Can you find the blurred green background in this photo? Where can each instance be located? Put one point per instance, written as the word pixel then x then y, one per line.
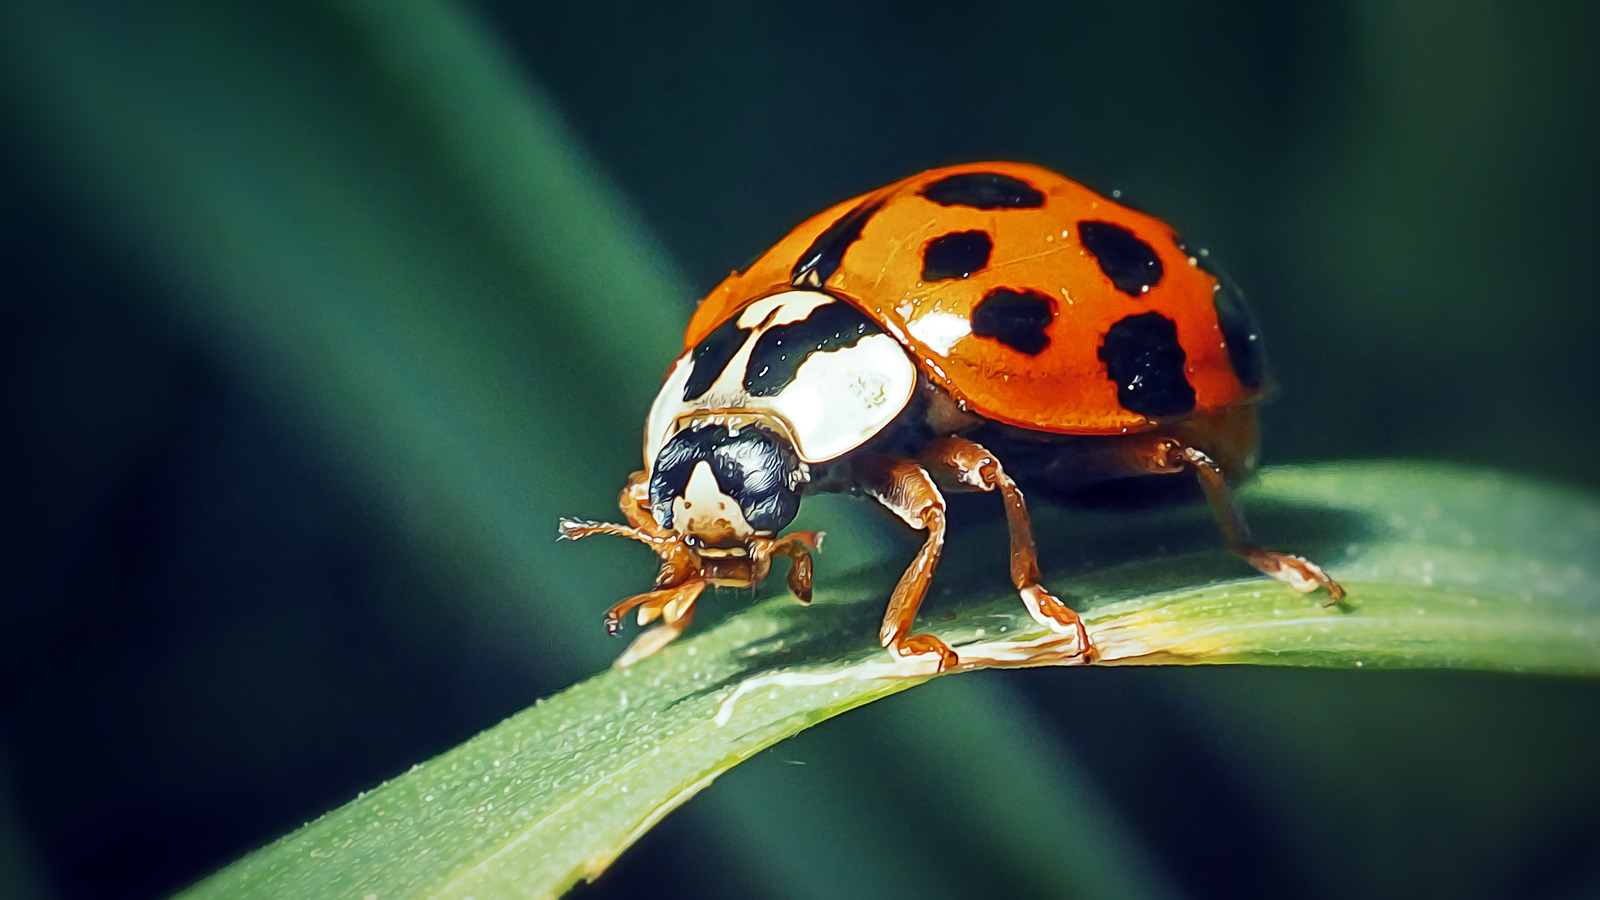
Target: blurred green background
pixel 317 315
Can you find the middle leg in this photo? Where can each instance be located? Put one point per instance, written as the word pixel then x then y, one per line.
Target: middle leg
pixel 971 464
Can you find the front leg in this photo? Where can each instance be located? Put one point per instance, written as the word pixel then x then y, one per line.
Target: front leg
pixel 673 605
pixel 679 582
pixel 908 492
pixel 797 546
pixel 968 463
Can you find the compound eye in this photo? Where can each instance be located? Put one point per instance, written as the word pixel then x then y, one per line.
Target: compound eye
pixel 757 468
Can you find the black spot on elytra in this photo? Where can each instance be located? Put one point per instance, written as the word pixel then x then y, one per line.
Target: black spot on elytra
pixel 823 257
pixel 781 349
pixel 752 467
pixel 1143 356
pixel 1239 331
pixel 711 356
pixel 1014 318
pixel 1129 262
pixel 984 190
pixel 956 255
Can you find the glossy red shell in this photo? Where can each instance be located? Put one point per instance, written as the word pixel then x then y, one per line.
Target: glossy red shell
pixel 1065 388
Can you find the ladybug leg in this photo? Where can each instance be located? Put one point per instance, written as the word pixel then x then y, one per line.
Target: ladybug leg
pixel 797 546
pixel 972 465
pixel 673 605
pixel 1298 572
pixel 909 492
pixel 678 563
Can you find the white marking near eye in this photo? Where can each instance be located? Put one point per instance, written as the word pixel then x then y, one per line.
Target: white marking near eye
pixel 940 330
pixel 664 411
pixel 705 511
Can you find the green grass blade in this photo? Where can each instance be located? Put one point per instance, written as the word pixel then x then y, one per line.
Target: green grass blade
pixel 1451 567
pixel 369 214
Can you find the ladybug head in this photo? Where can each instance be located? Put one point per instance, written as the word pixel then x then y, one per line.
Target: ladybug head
pixel 719 486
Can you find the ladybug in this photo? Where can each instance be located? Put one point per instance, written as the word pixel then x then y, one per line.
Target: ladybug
pixel 967 328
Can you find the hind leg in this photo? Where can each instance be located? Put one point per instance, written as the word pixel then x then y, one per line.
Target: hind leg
pixel 1170 455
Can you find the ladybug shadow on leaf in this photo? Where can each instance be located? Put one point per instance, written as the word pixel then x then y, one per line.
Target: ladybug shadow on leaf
pixel 1093 551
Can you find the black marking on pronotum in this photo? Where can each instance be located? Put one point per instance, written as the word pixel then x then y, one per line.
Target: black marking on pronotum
pixel 1239 331
pixel 1143 356
pixel 752 466
pixel 1015 318
pixel 956 255
pixel 823 257
pixel 781 349
pixel 1129 262
pixel 984 190
pixel 711 356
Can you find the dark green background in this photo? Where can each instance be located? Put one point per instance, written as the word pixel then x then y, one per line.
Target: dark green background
pixel 232 600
